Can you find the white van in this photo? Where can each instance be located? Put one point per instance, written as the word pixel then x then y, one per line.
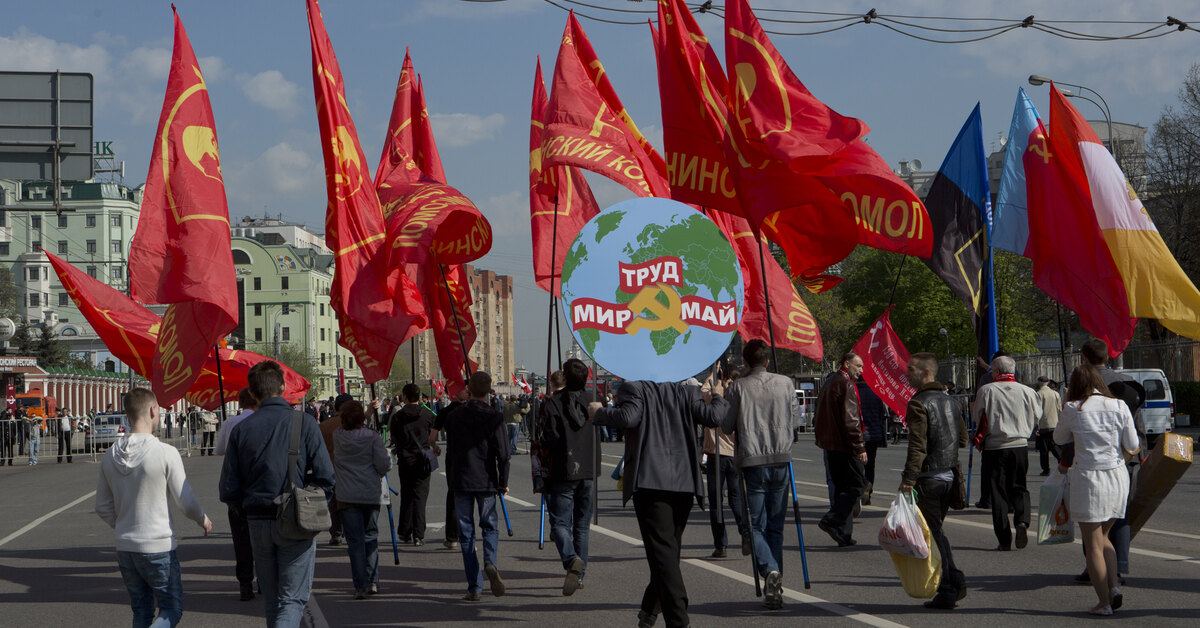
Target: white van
pixel 1158 413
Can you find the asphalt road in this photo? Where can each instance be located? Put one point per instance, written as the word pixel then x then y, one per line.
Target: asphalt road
pixel 58 565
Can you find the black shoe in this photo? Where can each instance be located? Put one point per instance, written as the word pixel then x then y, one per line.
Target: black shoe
pixel 746 547
pixel 335 540
pixel 471 596
pixel 403 540
pixel 718 553
pixel 1044 473
pixel 493 576
pixel 961 593
pixel 571 581
pixel 418 542
pixel 941 602
pixel 1116 598
pixel 836 535
pixel 1083 578
pixel 373 589
pixel 247 593
pixel 857 508
pixel 450 545
pixel 984 505
pixel 646 620
pixel 1002 548
pixel 1022 536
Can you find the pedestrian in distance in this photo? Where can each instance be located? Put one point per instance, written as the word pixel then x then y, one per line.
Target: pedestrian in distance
pixel 935 433
pixel 838 430
pixel 721 474
pixel 513 416
pixel 33 435
pixel 360 462
pixel 763 414
pixel 239 528
pixel 1051 405
pixel 662 476
pixel 1102 429
pixel 571 439
pixel 409 429
pixel 875 420
pixel 254 473
pixel 208 432
pixel 1006 413
pixel 440 422
pixel 477 465
pixel 328 427
pixel 140 478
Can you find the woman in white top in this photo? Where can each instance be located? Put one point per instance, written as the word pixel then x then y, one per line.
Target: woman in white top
pixel 1101 428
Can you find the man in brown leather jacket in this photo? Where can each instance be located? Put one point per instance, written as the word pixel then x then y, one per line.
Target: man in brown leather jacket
pixel 839 432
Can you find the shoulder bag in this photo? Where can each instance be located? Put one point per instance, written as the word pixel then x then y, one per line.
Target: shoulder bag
pixel 429 460
pixel 303 512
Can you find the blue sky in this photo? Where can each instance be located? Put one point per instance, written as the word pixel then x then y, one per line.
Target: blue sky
pixel 477 61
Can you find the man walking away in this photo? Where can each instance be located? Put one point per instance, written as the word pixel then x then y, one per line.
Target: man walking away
pixel 662 475
pixel 935 433
pixel 839 432
pixel 254 474
pixel 139 477
pixel 763 414
pixel 439 425
pixel 875 420
pixel 512 422
pixel 720 448
pixel 1051 408
pixel 571 439
pixel 476 469
pixel 65 430
pixel 1007 412
pixel 239 528
pixel 409 428
pixel 328 427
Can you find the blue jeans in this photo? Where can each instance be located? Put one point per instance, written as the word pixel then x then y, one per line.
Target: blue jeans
pixel 464 506
pixel 766 488
pixel 285 572
pixel 362 543
pixel 569 505
pixel 151 579
pixel 35 446
pixel 514 430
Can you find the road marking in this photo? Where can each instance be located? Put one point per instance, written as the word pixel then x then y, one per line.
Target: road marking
pixel 801 459
pixel 1178 534
pixel 826 606
pixel 519 502
pixel 612 456
pixel 37 522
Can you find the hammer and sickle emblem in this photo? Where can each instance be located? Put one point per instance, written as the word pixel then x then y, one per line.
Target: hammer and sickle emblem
pixel 665 315
pixel 347 178
pixel 1041 149
pixel 200 142
pixel 747 80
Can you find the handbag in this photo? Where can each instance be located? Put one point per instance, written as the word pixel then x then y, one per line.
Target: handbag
pixel 302 512
pixel 958 490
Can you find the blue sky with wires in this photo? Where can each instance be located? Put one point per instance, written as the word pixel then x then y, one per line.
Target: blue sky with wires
pixel 477 60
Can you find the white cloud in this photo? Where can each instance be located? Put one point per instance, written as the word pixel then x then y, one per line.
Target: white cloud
pixel 269 89
pixel 507 213
pixel 28 51
pixel 472 10
pixel 281 176
pixel 146 63
pixel 213 68
pixel 464 129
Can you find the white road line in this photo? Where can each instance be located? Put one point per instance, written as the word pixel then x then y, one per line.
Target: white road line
pixel 802 459
pixel 37 522
pixel 519 502
pixel 829 607
pixel 1178 534
pixel 612 456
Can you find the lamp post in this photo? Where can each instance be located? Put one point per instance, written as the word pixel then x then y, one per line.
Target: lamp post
pixel 1037 79
pixel 947 335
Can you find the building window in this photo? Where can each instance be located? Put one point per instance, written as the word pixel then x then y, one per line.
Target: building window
pixel 322 356
pixel 322 333
pixel 116 221
pixel 91 246
pixel 33 299
pixel 258 309
pixel 36 247
pixel 62 222
pixel 91 271
pixel 3 245
pixel 34 275
pixel 257 283
pixel 116 246
pixel 118 272
pixel 3 219
pixel 62 247
pixel 283 283
pixel 322 311
pixel 352 364
pixel 35 222
pixel 258 334
pixel 89 221
pixel 63 299
pixel 45 273
pixel 286 334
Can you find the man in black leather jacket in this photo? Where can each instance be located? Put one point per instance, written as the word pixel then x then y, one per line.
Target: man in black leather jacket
pixel 935 433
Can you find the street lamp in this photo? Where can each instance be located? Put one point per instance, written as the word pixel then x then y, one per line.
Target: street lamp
pixel 947 335
pixel 1038 79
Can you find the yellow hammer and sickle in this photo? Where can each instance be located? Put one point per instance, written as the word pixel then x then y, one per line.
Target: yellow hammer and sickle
pixel 1041 149
pixel 598 123
pixel 665 315
pixel 200 142
pixel 776 76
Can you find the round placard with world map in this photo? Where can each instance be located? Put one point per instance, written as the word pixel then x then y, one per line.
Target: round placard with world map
pixel 652 290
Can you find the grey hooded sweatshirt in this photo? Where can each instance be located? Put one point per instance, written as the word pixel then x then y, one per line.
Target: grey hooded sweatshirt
pixel 359 463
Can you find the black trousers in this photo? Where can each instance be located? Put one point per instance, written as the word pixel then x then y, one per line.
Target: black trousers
pixel 1009 467
pixel 933 499
pixel 731 483
pixel 64 445
pixel 243 554
pixel 848 478
pixel 985 481
pixel 414 494
pixel 452 531
pixel 1046 447
pixel 662 516
pixel 872 449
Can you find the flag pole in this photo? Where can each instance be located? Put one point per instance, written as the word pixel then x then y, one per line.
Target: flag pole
pixel 462 342
pixel 896 284
pixel 1062 348
pixel 552 318
pixel 412 365
pixel 762 266
pixel 220 381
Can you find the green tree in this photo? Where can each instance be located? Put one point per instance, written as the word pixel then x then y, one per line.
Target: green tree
pixel 51 350
pixel 23 341
pixel 9 299
pixel 298 359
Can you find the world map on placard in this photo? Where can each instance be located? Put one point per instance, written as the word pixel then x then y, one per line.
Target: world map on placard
pixel 652 290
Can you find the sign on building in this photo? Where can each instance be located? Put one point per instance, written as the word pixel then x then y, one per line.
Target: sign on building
pixel 44 115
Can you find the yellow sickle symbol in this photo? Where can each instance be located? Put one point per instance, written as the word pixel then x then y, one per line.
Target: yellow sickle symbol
pixel 665 315
pixel 1041 150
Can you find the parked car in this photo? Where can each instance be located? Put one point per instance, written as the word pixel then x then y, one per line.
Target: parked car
pixel 105 430
pixel 1158 412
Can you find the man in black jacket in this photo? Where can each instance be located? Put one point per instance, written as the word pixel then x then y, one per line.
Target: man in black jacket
pixel 409 428
pixel 662 475
pixel 439 425
pixel 476 469
pixel 572 443
pixel 935 433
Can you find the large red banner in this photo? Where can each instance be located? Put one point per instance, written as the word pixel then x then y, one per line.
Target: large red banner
pixel 181 251
pixel 885 360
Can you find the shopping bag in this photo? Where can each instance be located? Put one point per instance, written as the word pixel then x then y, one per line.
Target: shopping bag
pixel 901 533
pixel 920 576
pixel 1054 513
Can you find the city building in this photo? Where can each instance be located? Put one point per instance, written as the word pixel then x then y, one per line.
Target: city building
pixel 278 231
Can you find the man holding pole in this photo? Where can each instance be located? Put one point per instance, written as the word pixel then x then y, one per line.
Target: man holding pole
pixel 763 414
pixel 935 434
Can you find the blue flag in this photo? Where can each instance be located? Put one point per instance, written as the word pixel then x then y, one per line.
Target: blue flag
pixel 1010 230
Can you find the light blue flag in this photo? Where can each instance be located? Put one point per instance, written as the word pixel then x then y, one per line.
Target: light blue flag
pixel 1010 225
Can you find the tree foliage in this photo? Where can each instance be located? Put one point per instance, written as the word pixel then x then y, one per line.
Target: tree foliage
pixel 298 359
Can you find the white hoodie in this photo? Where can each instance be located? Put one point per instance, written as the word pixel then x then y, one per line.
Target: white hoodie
pixel 137 475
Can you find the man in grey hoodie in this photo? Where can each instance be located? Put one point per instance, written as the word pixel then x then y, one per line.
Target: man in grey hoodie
pixel 137 476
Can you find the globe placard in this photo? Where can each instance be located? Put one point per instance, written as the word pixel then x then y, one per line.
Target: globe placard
pixel 652 290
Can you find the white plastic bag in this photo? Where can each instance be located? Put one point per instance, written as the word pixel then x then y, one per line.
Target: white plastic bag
pixel 1054 511
pixel 901 532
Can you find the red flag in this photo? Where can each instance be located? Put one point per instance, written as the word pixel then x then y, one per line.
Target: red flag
pixel 450 316
pixel 884 363
pixel 588 127
pixel 1071 261
pixel 377 310
pixel 560 200
pixel 793 324
pixel 181 251
pixel 130 331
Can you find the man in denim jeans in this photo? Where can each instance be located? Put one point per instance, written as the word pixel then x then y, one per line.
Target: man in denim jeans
pixel 136 475
pixel 477 457
pixel 254 474
pixel 762 413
